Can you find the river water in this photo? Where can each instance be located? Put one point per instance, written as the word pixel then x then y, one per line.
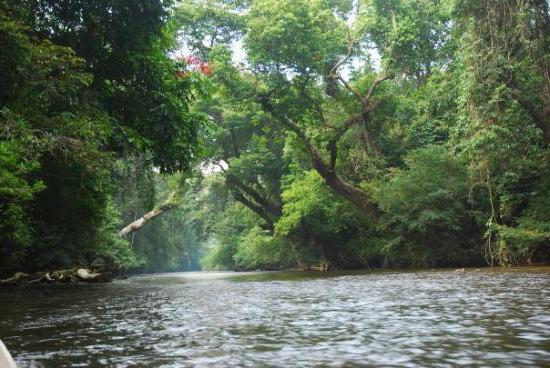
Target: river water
pixel 389 319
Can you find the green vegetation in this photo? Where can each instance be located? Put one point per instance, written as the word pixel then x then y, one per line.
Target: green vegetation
pixel 353 134
pixel 86 87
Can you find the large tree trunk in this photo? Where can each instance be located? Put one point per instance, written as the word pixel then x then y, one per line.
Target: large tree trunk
pixel 134 226
pixel 327 168
pixel 269 210
pixel 355 196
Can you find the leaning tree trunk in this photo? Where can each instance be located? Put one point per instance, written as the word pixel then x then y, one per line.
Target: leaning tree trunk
pixel 134 226
pixel 84 274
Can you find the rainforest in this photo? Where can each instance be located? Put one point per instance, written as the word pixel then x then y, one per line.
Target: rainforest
pixel 269 135
pixel 377 171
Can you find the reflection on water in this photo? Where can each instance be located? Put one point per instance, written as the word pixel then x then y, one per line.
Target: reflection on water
pixel 401 319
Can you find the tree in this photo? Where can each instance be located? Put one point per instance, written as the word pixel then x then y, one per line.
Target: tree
pixel 455 75
pixel 84 83
pixel 502 130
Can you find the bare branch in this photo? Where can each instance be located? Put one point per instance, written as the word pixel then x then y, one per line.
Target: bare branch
pixel 349 54
pixel 259 198
pixel 355 92
pixel 220 166
pixel 375 84
pixel 260 211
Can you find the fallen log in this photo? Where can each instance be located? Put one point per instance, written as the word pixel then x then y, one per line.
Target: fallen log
pixel 76 274
pixel 17 278
pixel 86 275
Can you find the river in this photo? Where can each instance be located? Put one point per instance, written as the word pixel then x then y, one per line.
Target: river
pixel 390 319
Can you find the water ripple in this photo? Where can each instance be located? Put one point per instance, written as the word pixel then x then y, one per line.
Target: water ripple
pixel 392 319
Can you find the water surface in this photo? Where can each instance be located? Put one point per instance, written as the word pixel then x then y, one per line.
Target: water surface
pixel 390 319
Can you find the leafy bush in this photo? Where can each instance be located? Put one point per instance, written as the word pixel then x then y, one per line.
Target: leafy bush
pixel 426 214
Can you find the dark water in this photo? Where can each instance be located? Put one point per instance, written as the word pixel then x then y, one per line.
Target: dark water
pixel 401 319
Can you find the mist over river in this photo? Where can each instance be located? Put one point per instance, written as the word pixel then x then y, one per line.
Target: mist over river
pixel 285 319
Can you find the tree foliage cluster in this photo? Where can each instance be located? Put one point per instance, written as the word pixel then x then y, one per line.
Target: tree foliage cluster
pixel 88 89
pixel 371 133
pixel 303 133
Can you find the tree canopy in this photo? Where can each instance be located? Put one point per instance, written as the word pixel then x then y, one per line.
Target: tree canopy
pixel 370 133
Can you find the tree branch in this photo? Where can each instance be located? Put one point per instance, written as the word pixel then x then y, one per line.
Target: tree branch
pixel 349 54
pixel 375 84
pixel 260 211
pixel 260 199
pixel 362 100
pixel 356 196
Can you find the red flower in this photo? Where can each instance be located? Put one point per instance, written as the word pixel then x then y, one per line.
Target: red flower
pixel 193 60
pixel 205 69
pixel 194 63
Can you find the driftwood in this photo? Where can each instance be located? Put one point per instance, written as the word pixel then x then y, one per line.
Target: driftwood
pixel 85 274
pixel 322 267
pixel 58 276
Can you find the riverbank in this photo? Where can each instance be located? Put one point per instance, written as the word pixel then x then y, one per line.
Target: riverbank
pixel 69 275
pixel 87 275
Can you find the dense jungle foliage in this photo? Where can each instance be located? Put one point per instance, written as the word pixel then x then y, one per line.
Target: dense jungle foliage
pixel 289 133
